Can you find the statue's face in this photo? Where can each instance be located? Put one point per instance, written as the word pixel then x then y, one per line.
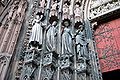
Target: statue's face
pixel 41 16
pixel 81 27
pixel 81 60
pixel 66 23
pixel 37 17
pixel 54 23
pixel 77 5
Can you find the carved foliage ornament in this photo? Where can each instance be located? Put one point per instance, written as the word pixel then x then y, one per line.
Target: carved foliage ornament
pixel 103 7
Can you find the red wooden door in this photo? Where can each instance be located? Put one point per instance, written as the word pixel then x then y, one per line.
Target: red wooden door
pixel 107 37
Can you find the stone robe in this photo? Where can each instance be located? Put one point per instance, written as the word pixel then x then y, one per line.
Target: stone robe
pixel 51 41
pixel 81 44
pixel 66 41
pixel 37 32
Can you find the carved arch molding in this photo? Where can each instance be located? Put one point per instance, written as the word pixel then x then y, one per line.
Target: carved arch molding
pixel 97 8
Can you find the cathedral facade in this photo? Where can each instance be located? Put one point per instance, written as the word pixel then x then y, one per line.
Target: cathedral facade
pixel 59 39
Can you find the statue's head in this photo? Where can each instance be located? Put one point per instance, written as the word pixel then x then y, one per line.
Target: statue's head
pixel 37 16
pixel 53 20
pixel 66 23
pixel 78 25
pixel 78 4
pixel 67 3
pixel 81 59
pixel 40 16
pixel 81 27
pixel 54 23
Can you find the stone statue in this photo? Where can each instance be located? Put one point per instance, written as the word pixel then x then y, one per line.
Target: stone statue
pixel 29 71
pixel 47 59
pixel 65 75
pixel 28 56
pixel 53 11
pixel 78 13
pixel 66 67
pixel 51 33
pixel 66 38
pixel 93 12
pixel 82 76
pixel 65 61
pixel 81 65
pixel 47 73
pixel 37 32
pixel 3 66
pixel 81 68
pixel 66 11
pixel 42 5
pixel 81 42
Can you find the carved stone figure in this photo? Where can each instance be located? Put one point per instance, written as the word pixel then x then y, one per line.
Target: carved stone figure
pixel 11 12
pixel 51 33
pixel 53 11
pixel 81 68
pixel 65 61
pixel 78 13
pixel 66 38
pixel 37 32
pixel 93 12
pixel 65 75
pixel 66 67
pixel 47 73
pixel 81 65
pixel 47 59
pixel 81 42
pixel 42 5
pixel 28 56
pixel 81 76
pixel 66 11
pixel 29 70
pixel 3 66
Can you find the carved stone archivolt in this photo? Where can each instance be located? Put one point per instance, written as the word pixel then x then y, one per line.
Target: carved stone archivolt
pixel 100 7
pixel 12 19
